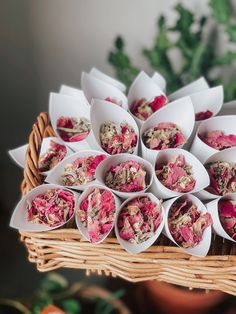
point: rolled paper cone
(203, 247)
(209, 99)
(142, 87)
(80, 226)
(198, 171)
(228, 155)
(19, 218)
(67, 106)
(105, 165)
(108, 79)
(18, 155)
(134, 248)
(104, 111)
(159, 80)
(45, 146)
(228, 108)
(213, 209)
(94, 88)
(196, 86)
(226, 124)
(179, 112)
(55, 174)
(74, 92)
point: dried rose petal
(72, 129)
(176, 175)
(163, 135)
(117, 139)
(227, 215)
(81, 170)
(222, 177)
(203, 115)
(216, 139)
(52, 208)
(128, 176)
(139, 219)
(186, 223)
(55, 153)
(143, 109)
(97, 213)
(114, 101)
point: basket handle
(41, 128)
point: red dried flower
(227, 215)
(114, 101)
(203, 115)
(55, 153)
(72, 129)
(216, 139)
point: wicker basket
(162, 261)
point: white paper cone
(228, 155)
(196, 86)
(105, 165)
(55, 174)
(159, 80)
(179, 112)
(96, 89)
(137, 248)
(18, 155)
(19, 218)
(201, 150)
(228, 108)
(75, 92)
(203, 247)
(45, 146)
(198, 171)
(62, 105)
(104, 111)
(212, 208)
(108, 79)
(80, 226)
(142, 87)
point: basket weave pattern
(162, 261)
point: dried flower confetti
(72, 129)
(139, 219)
(128, 176)
(222, 177)
(186, 223)
(55, 153)
(227, 215)
(81, 170)
(203, 115)
(52, 208)
(117, 138)
(218, 140)
(143, 109)
(176, 175)
(163, 135)
(114, 101)
(97, 213)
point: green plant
(197, 49)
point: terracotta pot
(175, 300)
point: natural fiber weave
(162, 261)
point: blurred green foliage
(197, 43)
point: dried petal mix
(97, 213)
(218, 140)
(139, 220)
(163, 135)
(142, 108)
(176, 175)
(117, 138)
(72, 129)
(203, 115)
(128, 176)
(81, 170)
(55, 153)
(52, 208)
(222, 177)
(227, 215)
(186, 223)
